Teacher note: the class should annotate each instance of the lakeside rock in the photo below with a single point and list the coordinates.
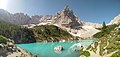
(58, 48)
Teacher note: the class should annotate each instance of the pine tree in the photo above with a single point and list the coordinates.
(104, 25)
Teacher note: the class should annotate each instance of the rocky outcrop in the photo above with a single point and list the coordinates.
(116, 20)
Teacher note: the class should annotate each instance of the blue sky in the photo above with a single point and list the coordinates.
(87, 10)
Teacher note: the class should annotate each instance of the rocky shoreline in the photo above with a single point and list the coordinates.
(13, 51)
(21, 53)
(9, 49)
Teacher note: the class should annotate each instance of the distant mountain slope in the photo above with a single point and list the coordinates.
(116, 20)
(5, 15)
(19, 18)
(83, 31)
(95, 25)
(17, 33)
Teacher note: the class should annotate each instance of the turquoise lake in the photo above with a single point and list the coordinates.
(47, 49)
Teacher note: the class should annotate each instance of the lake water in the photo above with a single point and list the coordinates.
(47, 49)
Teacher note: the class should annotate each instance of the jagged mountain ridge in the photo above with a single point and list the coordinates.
(17, 18)
(65, 17)
(5, 15)
(21, 18)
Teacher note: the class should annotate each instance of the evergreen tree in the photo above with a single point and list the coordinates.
(104, 25)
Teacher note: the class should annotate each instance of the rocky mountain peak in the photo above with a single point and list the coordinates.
(67, 12)
(66, 9)
(66, 18)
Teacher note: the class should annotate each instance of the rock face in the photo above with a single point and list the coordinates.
(116, 20)
(21, 18)
(35, 19)
(17, 18)
(66, 18)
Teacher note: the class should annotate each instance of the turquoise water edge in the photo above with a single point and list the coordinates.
(47, 49)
